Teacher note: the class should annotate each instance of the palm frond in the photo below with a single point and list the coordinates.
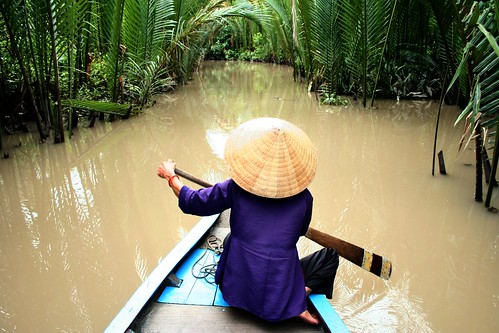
(279, 29)
(123, 110)
(327, 43)
(146, 79)
(305, 20)
(147, 26)
(486, 70)
(363, 25)
(111, 19)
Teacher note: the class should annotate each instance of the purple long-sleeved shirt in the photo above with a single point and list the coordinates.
(259, 269)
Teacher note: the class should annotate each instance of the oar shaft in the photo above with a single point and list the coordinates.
(369, 261)
(192, 178)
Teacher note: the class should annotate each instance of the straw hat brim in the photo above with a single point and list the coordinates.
(270, 157)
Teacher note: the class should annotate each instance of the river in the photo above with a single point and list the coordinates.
(84, 222)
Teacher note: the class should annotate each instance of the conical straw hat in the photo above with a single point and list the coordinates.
(270, 157)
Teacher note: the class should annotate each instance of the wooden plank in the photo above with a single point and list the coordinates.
(132, 308)
(327, 313)
(171, 318)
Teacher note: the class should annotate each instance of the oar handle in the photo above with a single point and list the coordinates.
(192, 178)
(369, 261)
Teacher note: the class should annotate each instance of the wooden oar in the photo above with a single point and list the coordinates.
(369, 261)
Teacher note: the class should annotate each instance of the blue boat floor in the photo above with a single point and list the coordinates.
(194, 290)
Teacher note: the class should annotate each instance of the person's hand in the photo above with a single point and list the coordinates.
(166, 169)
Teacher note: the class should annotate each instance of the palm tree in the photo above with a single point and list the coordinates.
(364, 25)
(482, 51)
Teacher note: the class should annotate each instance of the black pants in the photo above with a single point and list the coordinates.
(320, 269)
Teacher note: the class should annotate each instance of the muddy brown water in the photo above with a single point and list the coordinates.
(84, 222)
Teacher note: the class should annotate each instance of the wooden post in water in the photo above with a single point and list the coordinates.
(487, 167)
(478, 156)
(441, 163)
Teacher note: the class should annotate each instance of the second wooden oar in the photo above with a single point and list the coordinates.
(369, 261)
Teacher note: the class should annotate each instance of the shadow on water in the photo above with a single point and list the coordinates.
(84, 222)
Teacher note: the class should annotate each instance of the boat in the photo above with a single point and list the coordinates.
(176, 298)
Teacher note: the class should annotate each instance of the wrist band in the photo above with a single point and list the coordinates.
(171, 178)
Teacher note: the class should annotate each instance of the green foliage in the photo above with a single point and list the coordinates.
(483, 51)
(144, 25)
(222, 50)
(142, 45)
(231, 54)
(279, 31)
(220, 44)
(10, 74)
(333, 99)
(414, 77)
(98, 106)
(344, 45)
(359, 46)
(95, 86)
(217, 50)
(363, 25)
(260, 48)
(327, 44)
(145, 80)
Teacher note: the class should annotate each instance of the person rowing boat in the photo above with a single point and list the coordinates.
(271, 163)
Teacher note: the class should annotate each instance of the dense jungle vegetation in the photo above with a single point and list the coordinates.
(64, 59)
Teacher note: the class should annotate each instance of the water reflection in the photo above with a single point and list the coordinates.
(83, 223)
(216, 140)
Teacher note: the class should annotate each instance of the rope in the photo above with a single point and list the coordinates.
(207, 272)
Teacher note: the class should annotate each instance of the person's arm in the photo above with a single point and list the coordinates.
(202, 202)
(166, 170)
